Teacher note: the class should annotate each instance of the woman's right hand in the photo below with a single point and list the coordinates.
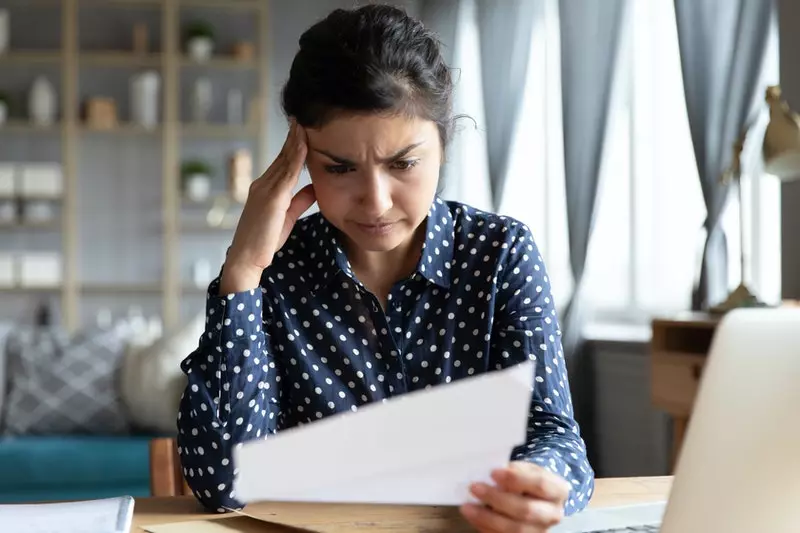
(269, 215)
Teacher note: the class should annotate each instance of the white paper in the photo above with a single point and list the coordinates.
(109, 515)
(423, 448)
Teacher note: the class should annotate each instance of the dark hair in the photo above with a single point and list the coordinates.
(371, 59)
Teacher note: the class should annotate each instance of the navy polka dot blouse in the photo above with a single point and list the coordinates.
(311, 341)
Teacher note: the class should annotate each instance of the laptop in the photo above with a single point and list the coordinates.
(739, 466)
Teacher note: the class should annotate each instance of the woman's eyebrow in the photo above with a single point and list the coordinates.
(393, 157)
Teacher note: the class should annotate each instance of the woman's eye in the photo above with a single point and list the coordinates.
(405, 164)
(337, 169)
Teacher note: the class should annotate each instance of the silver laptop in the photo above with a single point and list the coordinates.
(739, 466)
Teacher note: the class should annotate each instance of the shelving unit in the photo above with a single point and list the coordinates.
(72, 64)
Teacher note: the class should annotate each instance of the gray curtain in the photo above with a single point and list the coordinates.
(505, 34)
(722, 44)
(505, 31)
(590, 36)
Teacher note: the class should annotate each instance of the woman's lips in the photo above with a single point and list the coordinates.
(376, 228)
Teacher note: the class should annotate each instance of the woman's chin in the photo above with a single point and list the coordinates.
(376, 238)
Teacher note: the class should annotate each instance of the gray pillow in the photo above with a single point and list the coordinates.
(4, 330)
(60, 385)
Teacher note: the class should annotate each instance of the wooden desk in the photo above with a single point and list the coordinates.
(678, 349)
(340, 519)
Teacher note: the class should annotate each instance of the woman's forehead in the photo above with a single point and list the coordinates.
(365, 136)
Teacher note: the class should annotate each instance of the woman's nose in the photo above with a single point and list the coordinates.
(377, 195)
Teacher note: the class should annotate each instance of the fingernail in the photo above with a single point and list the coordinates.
(479, 489)
(499, 475)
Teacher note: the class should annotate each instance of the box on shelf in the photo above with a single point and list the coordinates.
(40, 180)
(39, 269)
(7, 180)
(101, 113)
(6, 270)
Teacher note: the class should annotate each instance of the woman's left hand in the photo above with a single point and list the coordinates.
(526, 498)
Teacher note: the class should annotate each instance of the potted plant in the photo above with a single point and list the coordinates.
(196, 177)
(200, 40)
(5, 102)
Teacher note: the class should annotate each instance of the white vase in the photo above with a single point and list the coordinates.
(4, 30)
(3, 113)
(42, 102)
(144, 95)
(200, 48)
(197, 187)
(202, 99)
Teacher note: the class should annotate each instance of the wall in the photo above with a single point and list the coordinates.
(789, 21)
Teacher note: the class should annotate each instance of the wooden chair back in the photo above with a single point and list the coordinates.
(166, 476)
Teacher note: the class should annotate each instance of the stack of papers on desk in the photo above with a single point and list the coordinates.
(423, 448)
(110, 515)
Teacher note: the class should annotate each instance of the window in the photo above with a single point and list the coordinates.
(647, 243)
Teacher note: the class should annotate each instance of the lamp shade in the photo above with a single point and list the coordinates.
(781, 149)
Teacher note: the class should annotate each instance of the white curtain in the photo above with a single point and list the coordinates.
(465, 174)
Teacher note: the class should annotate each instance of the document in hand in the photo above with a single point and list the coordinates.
(424, 447)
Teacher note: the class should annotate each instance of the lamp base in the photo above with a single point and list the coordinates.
(741, 296)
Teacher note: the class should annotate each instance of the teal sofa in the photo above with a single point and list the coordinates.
(51, 468)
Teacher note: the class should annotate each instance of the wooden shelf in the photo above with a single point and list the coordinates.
(219, 131)
(221, 62)
(53, 226)
(23, 126)
(121, 288)
(29, 290)
(30, 198)
(123, 3)
(67, 65)
(122, 129)
(28, 57)
(119, 59)
(224, 4)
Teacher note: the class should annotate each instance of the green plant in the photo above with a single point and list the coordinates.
(5, 99)
(199, 29)
(194, 167)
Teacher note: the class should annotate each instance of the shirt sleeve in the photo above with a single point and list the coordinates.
(526, 327)
(232, 395)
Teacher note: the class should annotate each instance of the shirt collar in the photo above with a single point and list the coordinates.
(434, 264)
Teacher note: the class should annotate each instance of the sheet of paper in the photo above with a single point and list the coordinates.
(424, 447)
(110, 515)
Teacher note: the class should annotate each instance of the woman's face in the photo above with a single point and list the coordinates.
(375, 176)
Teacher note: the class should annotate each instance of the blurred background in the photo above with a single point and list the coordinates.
(628, 134)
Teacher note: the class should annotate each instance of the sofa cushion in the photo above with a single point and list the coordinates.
(58, 384)
(33, 463)
(151, 379)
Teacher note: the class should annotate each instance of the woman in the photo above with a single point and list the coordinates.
(388, 290)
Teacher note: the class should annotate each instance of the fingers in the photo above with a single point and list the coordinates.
(290, 136)
(488, 521)
(289, 162)
(519, 508)
(297, 154)
(301, 201)
(527, 478)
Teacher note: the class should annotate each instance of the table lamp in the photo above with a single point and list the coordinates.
(781, 155)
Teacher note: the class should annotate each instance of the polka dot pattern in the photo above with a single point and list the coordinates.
(478, 301)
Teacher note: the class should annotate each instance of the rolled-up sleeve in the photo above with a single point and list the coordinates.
(232, 394)
(526, 327)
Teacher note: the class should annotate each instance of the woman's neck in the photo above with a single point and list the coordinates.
(379, 271)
